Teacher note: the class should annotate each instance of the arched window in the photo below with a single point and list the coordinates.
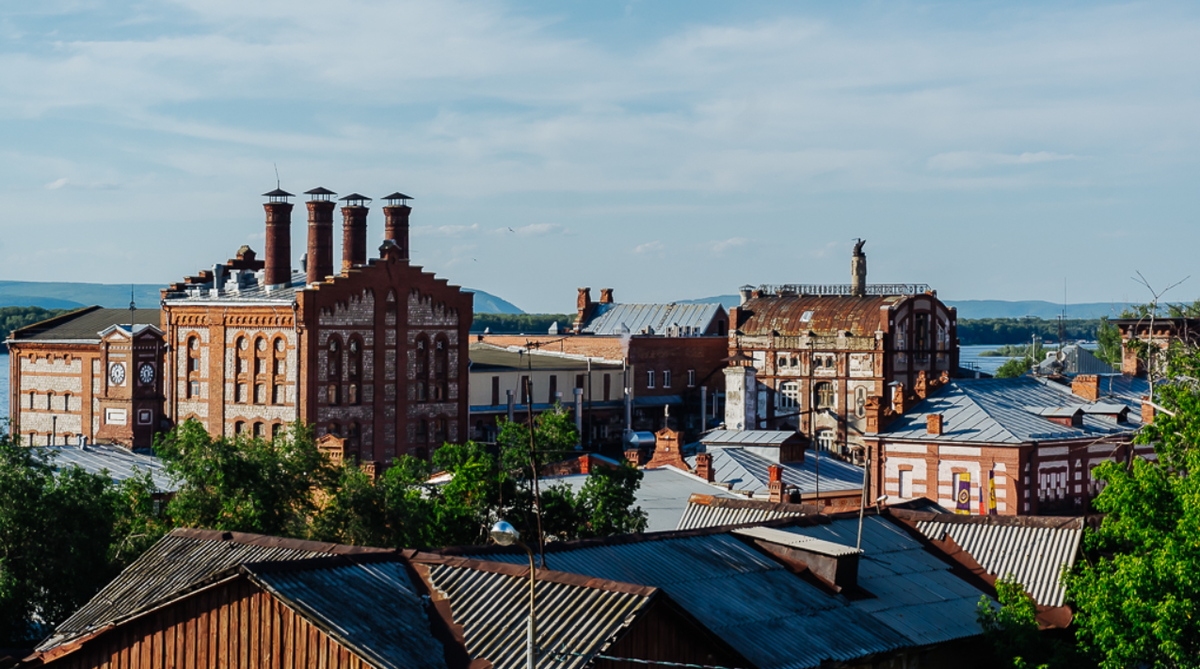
(67, 402)
(824, 395)
(239, 427)
(50, 400)
(422, 432)
(260, 393)
(354, 436)
(32, 399)
(260, 356)
(860, 401)
(193, 354)
(441, 367)
(280, 364)
(258, 430)
(241, 393)
(354, 370)
(333, 368)
(789, 393)
(421, 369)
(239, 356)
(439, 432)
(277, 395)
(276, 429)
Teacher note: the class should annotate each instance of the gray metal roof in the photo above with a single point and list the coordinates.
(179, 561)
(608, 319)
(773, 618)
(370, 608)
(748, 437)
(485, 357)
(663, 494)
(1075, 359)
(575, 621)
(915, 593)
(118, 463)
(999, 411)
(794, 540)
(84, 325)
(748, 472)
(1033, 550)
(251, 291)
(697, 516)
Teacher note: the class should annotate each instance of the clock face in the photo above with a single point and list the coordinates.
(146, 373)
(116, 374)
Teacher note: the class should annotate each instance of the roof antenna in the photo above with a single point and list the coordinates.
(132, 308)
(276, 166)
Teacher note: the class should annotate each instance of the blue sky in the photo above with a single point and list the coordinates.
(670, 150)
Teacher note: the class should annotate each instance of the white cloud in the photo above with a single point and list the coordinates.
(533, 230)
(968, 160)
(721, 247)
(648, 247)
(56, 184)
(444, 230)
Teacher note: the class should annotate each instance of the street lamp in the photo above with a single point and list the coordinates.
(505, 534)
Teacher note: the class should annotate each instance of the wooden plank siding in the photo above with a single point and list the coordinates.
(235, 624)
(665, 633)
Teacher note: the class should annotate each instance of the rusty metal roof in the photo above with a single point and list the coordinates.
(822, 314)
(179, 561)
(577, 617)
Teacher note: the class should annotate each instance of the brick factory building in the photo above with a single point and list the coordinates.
(374, 353)
(82, 375)
(673, 355)
(815, 358)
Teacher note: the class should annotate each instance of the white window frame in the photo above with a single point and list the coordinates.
(666, 378)
(649, 378)
(788, 396)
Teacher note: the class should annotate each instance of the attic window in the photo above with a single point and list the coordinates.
(806, 316)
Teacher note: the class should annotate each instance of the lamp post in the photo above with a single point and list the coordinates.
(505, 534)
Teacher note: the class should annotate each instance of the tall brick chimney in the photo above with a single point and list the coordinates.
(583, 308)
(858, 270)
(775, 485)
(320, 235)
(395, 221)
(354, 230)
(704, 468)
(1147, 410)
(606, 296)
(278, 267)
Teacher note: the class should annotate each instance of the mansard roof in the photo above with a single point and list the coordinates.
(821, 314)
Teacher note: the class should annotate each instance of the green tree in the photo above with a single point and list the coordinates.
(244, 484)
(1137, 593)
(1108, 338)
(1014, 368)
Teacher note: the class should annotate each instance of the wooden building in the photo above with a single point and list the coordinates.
(94, 374)
(813, 356)
(375, 352)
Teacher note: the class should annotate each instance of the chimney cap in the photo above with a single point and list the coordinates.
(397, 198)
(355, 200)
(278, 195)
(319, 194)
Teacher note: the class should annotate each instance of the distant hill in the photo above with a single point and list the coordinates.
(486, 303)
(974, 309)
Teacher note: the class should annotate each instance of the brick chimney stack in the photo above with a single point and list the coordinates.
(704, 468)
(634, 456)
(1086, 386)
(606, 296)
(583, 308)
(933, 424)
(775, 485)
(858, 270)
(395, 226)
(278, 267)
(354, 231)
(320, 235)
(1147, 410)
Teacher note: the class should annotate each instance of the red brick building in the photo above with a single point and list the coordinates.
(673, 355)
(1160, 332)
(816, 355)
(375, 352)
(85, 375)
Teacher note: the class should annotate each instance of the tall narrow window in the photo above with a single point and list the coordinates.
(495, 391)
(607, 387)
(666, 378)
(650, 378)
(421, 368)
(50, 400)
(260, 356)
(824, 392)
(67, 402)
(354, 370)
(524, 390)
(239, 356)
(553, 395)
(441, 368)
(32, 399)
(691, 378)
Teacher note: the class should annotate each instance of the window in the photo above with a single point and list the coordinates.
(607, 387)
(67, 402)
(32, 399)
(524, 390)
(691, 378)
(50, 400)
(239, 427)
(331, 394)
(276, 430)
(419, 394)
(906, 483)
(788, 396)
(260, 394)
(258, 430)
(495, 391)
(194, 389)
(239, 361)
(277, 394)
(666, 378)
(422, 432)
(334, 362)
(824, 393)
(860, 401)
(650, 378)
(354, 368)
(553, 395)
(441, 367)
(280, 366)
(827, 440)
(580, 380)
(240, 394)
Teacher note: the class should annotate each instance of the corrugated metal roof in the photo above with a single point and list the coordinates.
(372, 609)
(574, 621)
(663, 494)
(796, 314)
(999, 411)
(797, 541)
(773, 618)
(748, 472)
(84, 325)
(748, 437)
(1034, 554)
(177, 562)
(915, 593)
(118, 463)
(1076, 360)
(252, 291)
(697, 516)
(695, 318)
(488, 357)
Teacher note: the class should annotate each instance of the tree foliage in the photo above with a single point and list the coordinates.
(12, 318)
(1014, 368)
(1019, 331)
(520, 323)
(1138, 592)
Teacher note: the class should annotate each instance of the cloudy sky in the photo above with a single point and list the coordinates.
(670, 150)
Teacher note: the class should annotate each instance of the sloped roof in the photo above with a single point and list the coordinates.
(915, 592)
(769, 615)
(749, 437)
(179, 561)
(370, 607)
(1001, 411)
(822, 314)
(1076, 360)
(576, 617)
(84, 325)
(663, 494)
(486, 357)
(707, 511)
(119, 463)
(748, 472)
(1032, 549)
(607, 319)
